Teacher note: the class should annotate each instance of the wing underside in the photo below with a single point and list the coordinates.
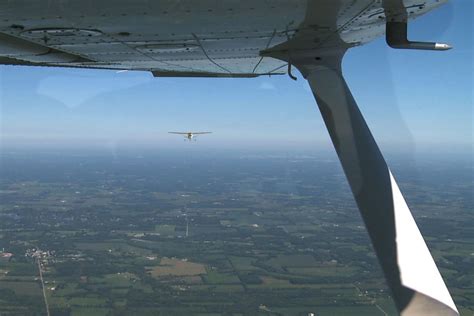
(181, 38)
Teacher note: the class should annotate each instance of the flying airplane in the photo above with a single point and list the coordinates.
(190, 135)
(246, 39)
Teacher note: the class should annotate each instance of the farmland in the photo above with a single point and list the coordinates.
(236, 236)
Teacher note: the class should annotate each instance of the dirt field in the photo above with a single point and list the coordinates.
(176, 267)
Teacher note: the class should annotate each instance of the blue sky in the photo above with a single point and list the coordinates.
(411, 100)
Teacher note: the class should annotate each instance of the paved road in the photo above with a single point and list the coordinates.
(42, 285)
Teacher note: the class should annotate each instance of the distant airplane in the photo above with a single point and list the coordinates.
(190, 135)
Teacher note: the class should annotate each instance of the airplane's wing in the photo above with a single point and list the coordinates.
(179, 133)
(185, 38)
(248, 38)
(200, 133)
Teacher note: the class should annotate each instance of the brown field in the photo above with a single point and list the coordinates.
(176, 267)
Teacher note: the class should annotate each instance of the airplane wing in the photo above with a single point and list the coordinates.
(184, 38)
(248, 38)
(200, 133)
(179, 133)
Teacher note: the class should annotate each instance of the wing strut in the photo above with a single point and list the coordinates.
(416, 284)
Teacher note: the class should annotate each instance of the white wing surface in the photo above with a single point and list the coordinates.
(184, 38)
